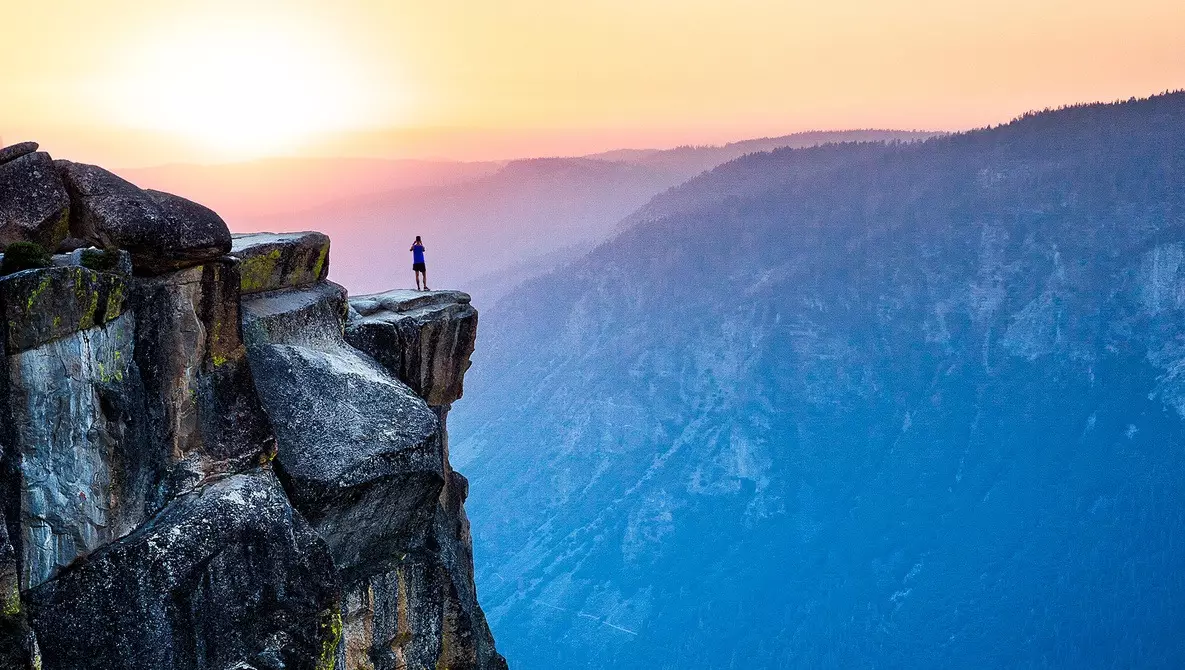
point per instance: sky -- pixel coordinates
(143, 82)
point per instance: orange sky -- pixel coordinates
(136, 82)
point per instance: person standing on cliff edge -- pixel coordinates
(417, 263)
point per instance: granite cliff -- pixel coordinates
(211, 456)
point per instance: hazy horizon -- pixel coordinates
(132, 83)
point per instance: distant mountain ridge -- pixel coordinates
(512, 221)
(708, 156)
(270, 186)
(858, 405)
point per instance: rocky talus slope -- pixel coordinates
(211, 457)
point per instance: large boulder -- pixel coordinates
(34, 204)
(14, 151)
(424, 338)
(359, 452)
(227, 576)
(162, 231)
(202, 409)
(272, 261)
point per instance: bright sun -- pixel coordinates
(239, 90)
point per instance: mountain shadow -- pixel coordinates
(860, 405)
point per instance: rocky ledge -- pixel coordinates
(211, 457)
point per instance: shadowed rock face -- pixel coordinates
(188, 478)
(34, 204)
(228, 573)
(360, 453)
(161, 230)
(14, 151)
(424, 338)
(204, 414)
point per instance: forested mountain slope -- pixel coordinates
(900, 406)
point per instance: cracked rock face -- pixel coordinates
(358, 451)
(204, 413)
(75, 406)
(228, 573)
(424, 338)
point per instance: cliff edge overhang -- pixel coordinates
(210, 455)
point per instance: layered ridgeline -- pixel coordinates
(211, 457)
(492, 231)
(854, 406)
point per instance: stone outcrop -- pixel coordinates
(359, 452)
(34, 204)
(162, 231)
(15, 151)
(272, 261)
(424, 338)
(227, 574)
(210, 460)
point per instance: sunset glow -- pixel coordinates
(139, 82)
(240, 90)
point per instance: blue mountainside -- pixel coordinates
(858, 405)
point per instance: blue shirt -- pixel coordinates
(417, 251)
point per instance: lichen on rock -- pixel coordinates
(273, 261)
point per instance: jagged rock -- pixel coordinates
(43, 305)
(422, 614)
(204, 413)
(34, 204)
(273, 261)
(226, 576)
(18, 643)
(142, 518)
(162, 231)
(359, 453)
(14, 151)
(424, 338)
